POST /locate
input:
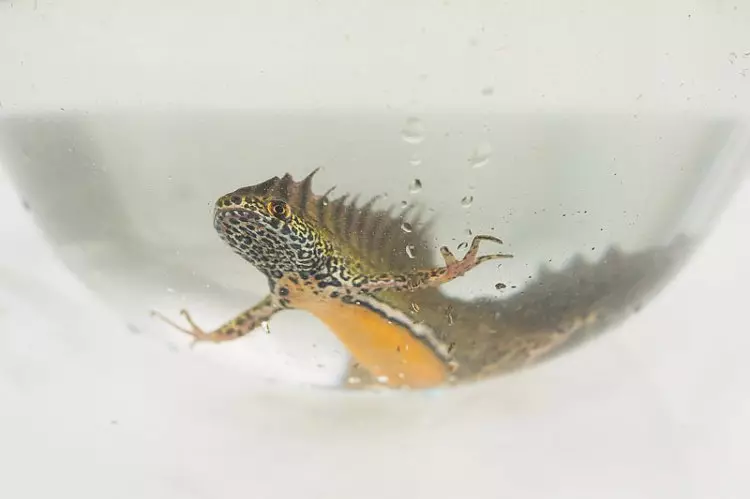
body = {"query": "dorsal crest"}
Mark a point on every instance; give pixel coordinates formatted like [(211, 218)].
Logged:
[(383, 239)]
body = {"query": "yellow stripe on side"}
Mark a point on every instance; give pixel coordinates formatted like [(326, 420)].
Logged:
[(385, 348)]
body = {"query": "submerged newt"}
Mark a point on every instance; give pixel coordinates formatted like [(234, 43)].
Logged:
[(347, 265)]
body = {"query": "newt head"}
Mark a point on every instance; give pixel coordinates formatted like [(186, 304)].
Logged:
[(273, 226)]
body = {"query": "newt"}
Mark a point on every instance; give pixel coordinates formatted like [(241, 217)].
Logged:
[(347, 264)]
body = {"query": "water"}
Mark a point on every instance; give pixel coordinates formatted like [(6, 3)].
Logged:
[(126, 199)]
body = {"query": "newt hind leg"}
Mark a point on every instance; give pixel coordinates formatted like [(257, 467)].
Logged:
[(235, 328)]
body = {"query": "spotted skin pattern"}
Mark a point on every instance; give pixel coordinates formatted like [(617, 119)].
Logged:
[(307, 247)]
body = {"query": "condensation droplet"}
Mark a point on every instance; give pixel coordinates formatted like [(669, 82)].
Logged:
[(415, 160), (480, 156), (413, 131), (266, 327), (382, 379), (415, 186), (488, 90), (500, 285), (466, 201), (406, 227), (463, 245), (410, 250), (449, 315)]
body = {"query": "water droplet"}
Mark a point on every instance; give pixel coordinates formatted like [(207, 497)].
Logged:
[(406, 227), (415, 307), (488, 90), (500, 285), (382, 379), (415, 186), (404, 204), (462, 246), (415, 160), (410, 250), (466, 201), (266, 327), (354, 380), (732, 57), (413, 131), (480, 156)]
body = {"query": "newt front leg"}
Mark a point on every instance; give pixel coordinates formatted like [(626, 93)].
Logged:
[(237, 327), (429, 277)]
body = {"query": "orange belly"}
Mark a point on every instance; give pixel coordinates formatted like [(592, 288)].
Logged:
[(385, 348)]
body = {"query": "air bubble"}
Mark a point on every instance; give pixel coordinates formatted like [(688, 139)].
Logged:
[(413, 131), (480, 156), (415, 186), (410, 250), (466, 201), (406, 227), (463, 246)]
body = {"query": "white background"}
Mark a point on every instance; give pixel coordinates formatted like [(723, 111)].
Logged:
[(657, 409)]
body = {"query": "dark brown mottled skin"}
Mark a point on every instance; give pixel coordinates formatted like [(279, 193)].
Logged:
[(323, 254)]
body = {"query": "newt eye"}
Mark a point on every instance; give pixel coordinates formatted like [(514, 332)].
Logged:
[(279, 209)]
